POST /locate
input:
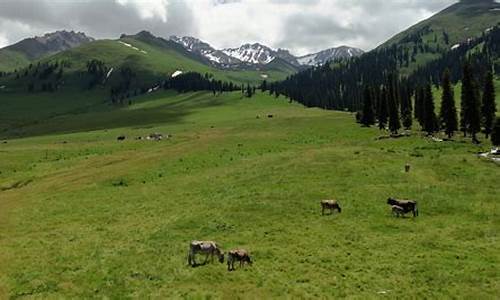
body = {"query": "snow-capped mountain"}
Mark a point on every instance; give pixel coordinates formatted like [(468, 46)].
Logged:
[(258, 54), (324, 56), (252, 53), (205, 50)]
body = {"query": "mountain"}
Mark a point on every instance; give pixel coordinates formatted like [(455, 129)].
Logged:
[(203, 49), (257, 54), (327, 55), (30, 49), (251, 53), (129, 65)]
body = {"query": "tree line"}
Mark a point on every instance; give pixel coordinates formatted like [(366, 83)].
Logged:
[(391, 107)]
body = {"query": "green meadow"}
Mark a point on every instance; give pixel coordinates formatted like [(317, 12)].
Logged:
[(85, 216)]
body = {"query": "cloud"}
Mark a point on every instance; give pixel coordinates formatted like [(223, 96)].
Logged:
[(302, 26)]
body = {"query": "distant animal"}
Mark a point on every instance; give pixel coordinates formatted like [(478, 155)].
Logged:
[(240, 255), (209, 248), (398, 211), (406, 205), (330, 205), (270, 116), (407, 168), (120, 138)]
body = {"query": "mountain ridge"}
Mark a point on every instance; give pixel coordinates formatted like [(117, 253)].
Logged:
[(259, 54)]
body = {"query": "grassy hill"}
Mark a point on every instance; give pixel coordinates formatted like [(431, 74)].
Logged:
[(151, 58), (11, 60), (82, 215), (456, 24)]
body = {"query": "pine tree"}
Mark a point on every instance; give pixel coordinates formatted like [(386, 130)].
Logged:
[(488, 109), (263, 86), (249, 91), (419, 104), (368, 115), (495, 134), (382, 109), (448, 114), (430, 124), (394, 122), (406, 108), (471, 117)]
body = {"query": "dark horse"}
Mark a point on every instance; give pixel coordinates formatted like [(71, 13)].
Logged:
[(406, 205), (330, 205)]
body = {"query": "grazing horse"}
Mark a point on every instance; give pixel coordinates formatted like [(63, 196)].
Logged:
[(240, 255), (208, 248), (406, 205), (330, 205)]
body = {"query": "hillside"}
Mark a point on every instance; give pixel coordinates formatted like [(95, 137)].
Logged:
[(20, 54), (151, 59), (83, 215), (442, 32)]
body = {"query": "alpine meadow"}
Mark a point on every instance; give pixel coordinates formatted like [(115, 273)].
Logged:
[(152, 164)]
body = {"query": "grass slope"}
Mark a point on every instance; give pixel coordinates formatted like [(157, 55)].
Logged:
[(461, 21), (82, 215), (11, 60), (152, 61)]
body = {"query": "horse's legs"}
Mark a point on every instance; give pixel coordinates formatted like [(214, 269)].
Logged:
[(323, 210), (191, 259)]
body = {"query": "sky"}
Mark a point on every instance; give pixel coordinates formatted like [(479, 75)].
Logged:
[(302, 26)]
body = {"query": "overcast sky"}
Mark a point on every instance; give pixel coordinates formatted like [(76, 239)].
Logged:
[(302, 26)]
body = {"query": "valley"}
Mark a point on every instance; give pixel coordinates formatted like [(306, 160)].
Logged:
[(122, 155)]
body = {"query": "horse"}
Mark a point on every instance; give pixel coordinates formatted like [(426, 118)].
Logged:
[(209, 248), (330, 205), (240, 255), (406, 205)]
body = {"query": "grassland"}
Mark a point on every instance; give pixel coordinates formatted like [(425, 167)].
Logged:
[(82, 215)]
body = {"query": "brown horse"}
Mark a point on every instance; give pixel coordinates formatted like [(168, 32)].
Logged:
[(240, 255), (330, 205)]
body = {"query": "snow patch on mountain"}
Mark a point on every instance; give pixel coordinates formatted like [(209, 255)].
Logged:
[(132, 47), (176, 73)]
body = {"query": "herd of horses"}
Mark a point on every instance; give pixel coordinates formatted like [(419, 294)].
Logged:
[(211, 250)]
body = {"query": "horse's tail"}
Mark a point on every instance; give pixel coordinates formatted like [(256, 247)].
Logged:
[(415, 210), (340, 209), (190, 259)]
